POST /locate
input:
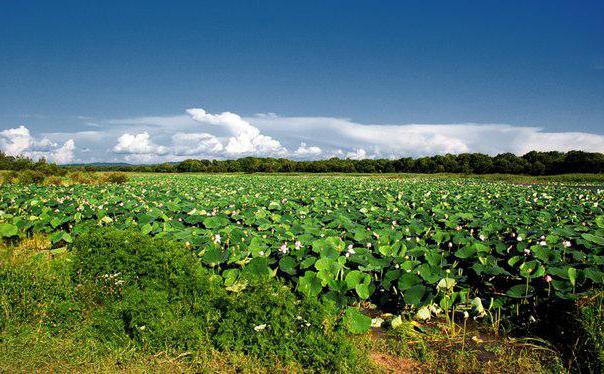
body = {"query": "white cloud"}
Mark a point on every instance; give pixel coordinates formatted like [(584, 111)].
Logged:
[(19, 141), (64, 154), (358, 154), (306, 151), (139, 144), (198, 134), (15, 141), (192, 144), (244, 139), (422, 139)]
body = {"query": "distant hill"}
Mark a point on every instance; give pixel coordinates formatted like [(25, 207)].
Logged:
[(102, 164)]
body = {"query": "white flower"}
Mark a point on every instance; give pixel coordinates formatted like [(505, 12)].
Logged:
[(481, 237), (466, 315), (450, 245), (261, 253), (260, 327), (297, 244), (217, 238), (542, 243), (368, 245), (283, 248), (566, 243), (519, 238)]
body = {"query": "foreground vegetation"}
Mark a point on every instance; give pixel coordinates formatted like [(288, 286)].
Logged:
[(163, 311), (426, 263)]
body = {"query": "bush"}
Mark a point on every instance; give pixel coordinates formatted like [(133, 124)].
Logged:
[(54, 181), (109, 256), (118, 178), (158, 295), (83, 177), (10, 177), (30, 177)]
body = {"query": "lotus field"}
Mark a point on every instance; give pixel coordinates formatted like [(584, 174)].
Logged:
[(421, 245)]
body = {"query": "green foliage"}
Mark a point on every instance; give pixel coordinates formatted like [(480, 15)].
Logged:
[(343, 239), (118, 178), (131, 259), (355, 321), (533, 163), (592, 322), (163, 298)]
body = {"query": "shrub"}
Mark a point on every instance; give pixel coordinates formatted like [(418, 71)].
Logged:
[(158, 295), (113, 258), (30, 177), (83, 177), (118, 178), (54, 181), (10, 177)]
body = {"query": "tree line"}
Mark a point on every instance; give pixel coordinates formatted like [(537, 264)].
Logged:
[(532, 163)]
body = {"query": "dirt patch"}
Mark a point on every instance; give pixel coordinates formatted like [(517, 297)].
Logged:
[(393, 364)]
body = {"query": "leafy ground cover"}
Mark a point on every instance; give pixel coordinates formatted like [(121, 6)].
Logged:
[(455, 248), (62, 312)]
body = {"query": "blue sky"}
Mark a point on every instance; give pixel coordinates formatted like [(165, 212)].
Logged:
[(332, 75)]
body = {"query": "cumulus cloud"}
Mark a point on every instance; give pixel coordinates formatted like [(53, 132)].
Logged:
[(244, 139), (15, 141), (307, 151), (139, 144), (19, 141), (358, 154), (191, 144), (63, 154)]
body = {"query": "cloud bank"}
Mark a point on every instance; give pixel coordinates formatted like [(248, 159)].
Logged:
[(199, 134), (18, 141)]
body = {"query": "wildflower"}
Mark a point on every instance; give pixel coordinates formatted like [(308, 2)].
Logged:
[(450, 245), (217, 238), (527, 251), (542, 243), (519, 238), (466, 315), (368, 245), (260, 327), (566, 243), (548, 278), (283, 248), (481, 237), (261, 253)]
